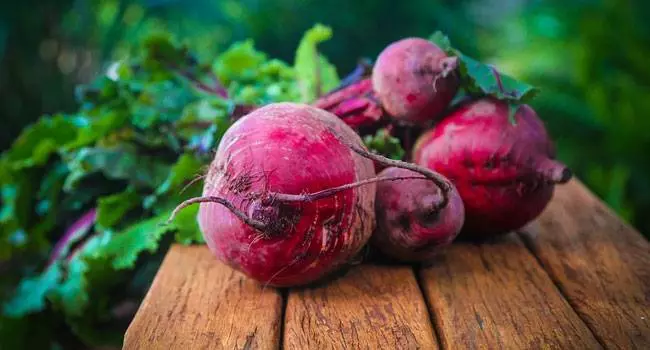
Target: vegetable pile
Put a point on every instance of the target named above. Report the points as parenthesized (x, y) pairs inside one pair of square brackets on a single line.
[(285, 171)]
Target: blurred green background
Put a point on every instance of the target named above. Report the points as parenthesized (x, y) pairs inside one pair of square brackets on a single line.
[(589, 57)]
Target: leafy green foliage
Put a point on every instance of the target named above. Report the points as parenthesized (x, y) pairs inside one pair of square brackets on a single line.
[(111, 209), (123, 247), (317, 75), (33, 292), (35, 145), (478, 78), (116, 163), (103, 181)]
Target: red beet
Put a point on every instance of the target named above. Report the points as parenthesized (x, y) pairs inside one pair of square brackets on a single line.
[(253, 215), (505, 173), (414, 80), (412, 222)]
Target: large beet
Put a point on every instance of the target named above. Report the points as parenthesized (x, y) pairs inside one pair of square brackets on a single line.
[(504, 172), (267, 156)]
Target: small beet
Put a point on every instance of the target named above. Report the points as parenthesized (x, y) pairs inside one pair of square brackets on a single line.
[(505, 172), (412, 223), (415, 80)]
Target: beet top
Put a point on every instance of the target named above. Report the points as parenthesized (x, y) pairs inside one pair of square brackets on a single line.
[(415, 80), (504, 172)]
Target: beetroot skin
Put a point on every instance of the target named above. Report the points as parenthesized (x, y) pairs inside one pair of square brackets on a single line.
[(411, 225), (291, 149), (414, 80), (504, 173)]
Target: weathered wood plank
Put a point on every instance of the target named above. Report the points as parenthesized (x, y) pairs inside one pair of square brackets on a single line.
[(496, 295), (372, 307), (196, 302), (600, 264)]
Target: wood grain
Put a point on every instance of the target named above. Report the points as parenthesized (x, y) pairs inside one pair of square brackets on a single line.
[(196, 302), (496, 295), (372, 307), (600, 264)]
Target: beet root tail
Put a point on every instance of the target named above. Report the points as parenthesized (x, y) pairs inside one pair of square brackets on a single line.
[(555, 172)]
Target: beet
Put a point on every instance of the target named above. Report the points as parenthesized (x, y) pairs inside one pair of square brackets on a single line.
[(505, 172), (412, 224), (415, 80), (254, 216)]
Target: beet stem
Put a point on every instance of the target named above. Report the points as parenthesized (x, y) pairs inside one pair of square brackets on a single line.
[(309, 197), (440, 181), (258, 225)]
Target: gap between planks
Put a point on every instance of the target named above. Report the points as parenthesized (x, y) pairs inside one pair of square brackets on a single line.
[(195, 302), (496, 295)]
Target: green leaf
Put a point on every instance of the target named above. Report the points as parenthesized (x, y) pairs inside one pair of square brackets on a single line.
[(40, 140), (31, 294), (9, 192), (484, 79), (72, 295), (186, 170), (16, 196), (383, 143), (160, 53), (118, 163), (158, 103), (481, 79), (240, 62), (111, 209), (169, 195), (316, 75), (440, 39), (125, 246), (93, 266), (47, 207), (97, 127), (186, 226)]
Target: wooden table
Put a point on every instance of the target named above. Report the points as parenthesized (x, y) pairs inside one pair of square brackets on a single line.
[(576, 278)]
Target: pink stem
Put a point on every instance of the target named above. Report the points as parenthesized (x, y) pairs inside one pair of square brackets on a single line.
[(73, 233)]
